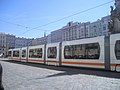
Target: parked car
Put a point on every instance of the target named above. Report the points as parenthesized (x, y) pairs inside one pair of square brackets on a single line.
[(1, 85)]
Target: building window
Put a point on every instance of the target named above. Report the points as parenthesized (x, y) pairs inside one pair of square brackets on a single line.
[(35, 53), (117, 49), (82, 51), (104, 27), (52, 52)]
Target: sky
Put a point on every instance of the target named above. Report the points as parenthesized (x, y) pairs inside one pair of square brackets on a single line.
[(28, 18)]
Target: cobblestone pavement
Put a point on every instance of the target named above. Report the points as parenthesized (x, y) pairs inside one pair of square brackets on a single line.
[(17, 76)]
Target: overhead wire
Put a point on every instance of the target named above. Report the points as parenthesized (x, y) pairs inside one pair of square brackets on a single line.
[(30, 28), (14, 24), (26, 27), (69, 16)]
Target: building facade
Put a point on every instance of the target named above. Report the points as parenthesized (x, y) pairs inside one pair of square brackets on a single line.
[(87, 34), (10, 39), (49, 38), (83, 30), (69, 32), (22, 42), (72, 31), (76, 30), (105, 22), (2, 43), (96, 28), (39, 41), (7, 42), (56, 36)]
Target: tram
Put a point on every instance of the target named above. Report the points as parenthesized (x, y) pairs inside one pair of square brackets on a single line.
[(97, 52)]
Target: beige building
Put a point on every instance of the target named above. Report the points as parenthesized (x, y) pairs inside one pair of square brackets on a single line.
[(7, 41), (22, 42), (56, 36), (83, 30), (105, 22), (75, 30), (2, 43), (69, 32), (99, 27), (72, 31), (39, 41)]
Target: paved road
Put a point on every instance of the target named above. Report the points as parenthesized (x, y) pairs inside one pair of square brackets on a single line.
[(30, 76)]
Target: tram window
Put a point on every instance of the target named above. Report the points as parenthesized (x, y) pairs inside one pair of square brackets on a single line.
[(35, 53), (16, 53), (83, 51), (23, 53), (92, 51), (52, 52), (9, 53), (117, 49)]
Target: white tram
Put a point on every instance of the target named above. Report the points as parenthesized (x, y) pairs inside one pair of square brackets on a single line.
[(115, 52), (16, 54), (10, 54), (89, 52), (52, 54), (36, 54), (23, 53), (84, 52)]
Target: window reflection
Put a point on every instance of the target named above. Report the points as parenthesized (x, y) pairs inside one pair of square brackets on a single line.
[(16, 53), (35, 53), (117, 49), (52, 52), (9, 53), (23, 53), (83, 51)]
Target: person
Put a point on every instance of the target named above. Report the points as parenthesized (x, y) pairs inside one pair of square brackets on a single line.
[(1, 85)]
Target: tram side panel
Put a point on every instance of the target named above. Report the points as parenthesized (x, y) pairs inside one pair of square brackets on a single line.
[(23, 54), (36, 54), (115, 52), (10, 54), (52, 54), (16, 54), (84, 53)]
